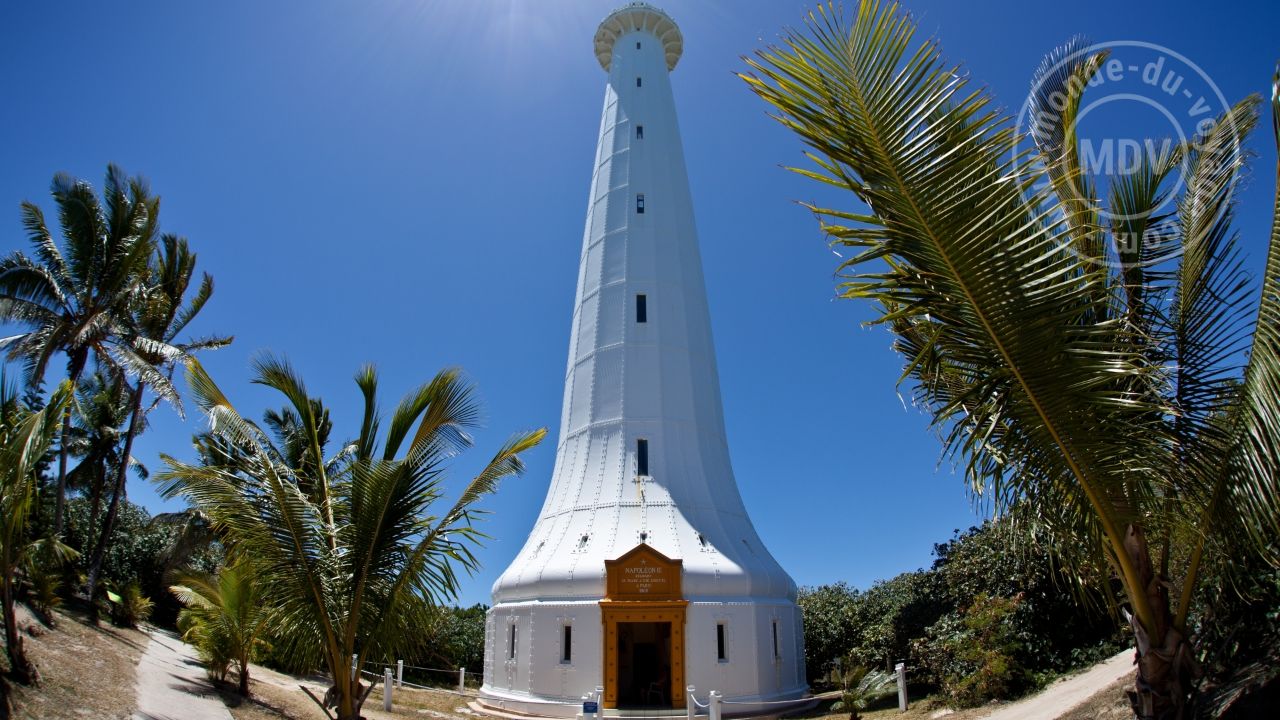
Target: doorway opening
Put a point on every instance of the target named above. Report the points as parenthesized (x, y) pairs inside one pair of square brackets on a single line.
[(644, 665)]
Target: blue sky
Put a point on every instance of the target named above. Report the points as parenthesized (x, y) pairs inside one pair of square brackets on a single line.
[(405, 183)]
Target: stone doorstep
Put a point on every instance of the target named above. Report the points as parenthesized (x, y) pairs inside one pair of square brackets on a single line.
[(478, 707)]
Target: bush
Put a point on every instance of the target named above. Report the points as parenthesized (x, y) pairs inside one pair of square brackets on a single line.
[(135, 549), (1237, 631), (830, 626), (974, 653), (861, 687), (129, 607), (43, 588), (888, 616), (1059, 630), (214, 648), (974, 580), (137, 552), (462, 637)]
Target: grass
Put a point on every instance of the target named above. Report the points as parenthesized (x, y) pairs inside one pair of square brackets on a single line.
[(85, 672)]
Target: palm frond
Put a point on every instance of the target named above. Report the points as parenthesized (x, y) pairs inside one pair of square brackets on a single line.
[(1039, 398)]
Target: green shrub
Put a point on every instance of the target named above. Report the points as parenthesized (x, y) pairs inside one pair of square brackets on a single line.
[(861, 687), (225, 617), (1059, 629), (43, 588), (830, 626), (137, 553), (896, 611), (462, 637), (1053, 629), (975, 653), (1238, 632), (129, 607)]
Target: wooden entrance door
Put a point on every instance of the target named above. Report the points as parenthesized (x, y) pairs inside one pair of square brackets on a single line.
[(643, 615)]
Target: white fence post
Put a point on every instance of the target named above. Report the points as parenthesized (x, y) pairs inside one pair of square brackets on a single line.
[(690, 705), (399, 673), (386, 690), (462, 679), (715, 711), (353, 666), (901, 669)]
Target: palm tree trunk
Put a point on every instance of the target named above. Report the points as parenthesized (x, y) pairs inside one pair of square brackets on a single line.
[(122, 474), (75, 367), (244, 677), (95, 508), (1166, 662), (20, 668)]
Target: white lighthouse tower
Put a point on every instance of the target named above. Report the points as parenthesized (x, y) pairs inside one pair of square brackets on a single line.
[(643, 574)]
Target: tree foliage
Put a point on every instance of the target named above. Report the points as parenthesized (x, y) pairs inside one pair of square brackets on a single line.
[(24, 438), (1070, 364), (351, 552), (225, 617), (998, 573), (77, 299)]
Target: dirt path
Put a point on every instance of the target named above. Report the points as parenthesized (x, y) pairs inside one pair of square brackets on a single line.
[(1063, 695), (172, 684)]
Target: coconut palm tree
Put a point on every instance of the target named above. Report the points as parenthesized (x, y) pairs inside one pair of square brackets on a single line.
[(77, 299), (159, 316), (24, 439), (103, 408), (351, 553), (1071, 362), (225, 617)]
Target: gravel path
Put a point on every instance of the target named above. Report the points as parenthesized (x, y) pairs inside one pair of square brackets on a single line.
[(1063, 695), (172, 684)]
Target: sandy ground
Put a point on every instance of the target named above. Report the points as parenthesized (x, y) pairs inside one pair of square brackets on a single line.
[(86, 673), (277, 695)]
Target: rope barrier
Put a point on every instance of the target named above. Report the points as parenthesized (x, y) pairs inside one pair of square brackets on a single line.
[(629, 716), (768, 702), (435, 689), (509, 701), (427, 669), (698, 704)]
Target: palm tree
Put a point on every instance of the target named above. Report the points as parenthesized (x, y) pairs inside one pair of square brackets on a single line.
[(159, 316), (349, 554), (225, 617), (1129, 399), (103, 408), (24, 439), (76, 300)]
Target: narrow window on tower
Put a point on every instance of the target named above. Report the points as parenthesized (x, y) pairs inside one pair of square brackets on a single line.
[(639, 132), (642, 309), (639, 203), (566, 651), (721, 655), (777, 653), (637, 44), (642, 457), (511, 641), (637, 81)]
